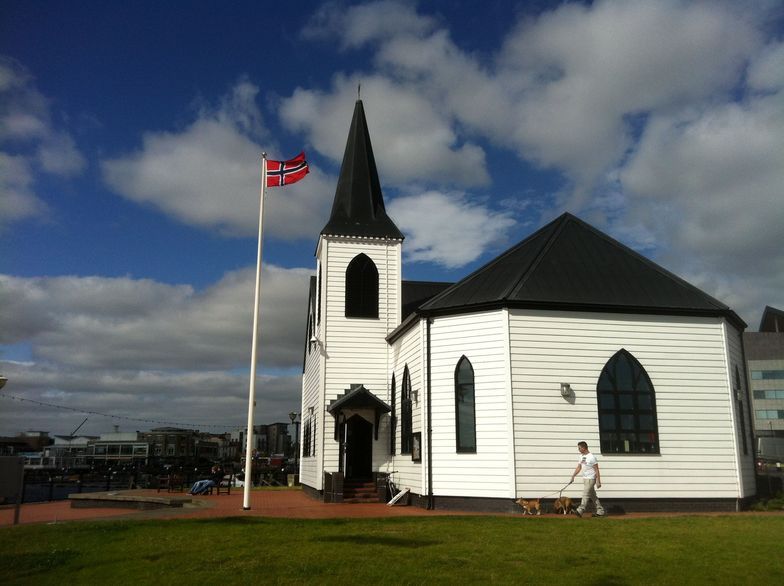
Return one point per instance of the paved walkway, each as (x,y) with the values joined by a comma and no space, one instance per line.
(292,504)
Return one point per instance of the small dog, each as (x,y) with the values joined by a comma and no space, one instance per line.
(530,506)
(563,505)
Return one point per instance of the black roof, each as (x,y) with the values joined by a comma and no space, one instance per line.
(571,265)
(772,320)
(415,293)
(358,209)
(357,397)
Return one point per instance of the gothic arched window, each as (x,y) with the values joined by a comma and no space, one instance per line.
(627,407)
(318,296)
(393,420)
(407,412)
(362,288)
(738,388)
(465,406)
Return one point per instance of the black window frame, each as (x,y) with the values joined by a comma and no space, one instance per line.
(622,410)
(362,288)
(306,439)
(406,413)
(739,403)
(318,296)
(393,419)
(462,445)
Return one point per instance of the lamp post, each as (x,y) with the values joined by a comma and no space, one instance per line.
(293,416)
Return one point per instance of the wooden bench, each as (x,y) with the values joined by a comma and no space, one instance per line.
(171,482)
(220,488)
(217,489)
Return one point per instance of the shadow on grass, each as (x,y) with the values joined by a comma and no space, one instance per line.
(29,564)
(385,540)
(609,580)
(227,521)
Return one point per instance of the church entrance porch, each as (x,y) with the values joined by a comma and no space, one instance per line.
(358,449)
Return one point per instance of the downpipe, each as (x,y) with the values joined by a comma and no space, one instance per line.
(430,499)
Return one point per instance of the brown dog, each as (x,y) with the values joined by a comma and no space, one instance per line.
(563,505)
(530,506)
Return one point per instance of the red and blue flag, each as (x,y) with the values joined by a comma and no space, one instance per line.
(280,173)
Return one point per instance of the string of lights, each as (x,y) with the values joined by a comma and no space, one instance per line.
(124,417)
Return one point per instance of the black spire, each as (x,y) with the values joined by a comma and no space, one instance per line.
(358,209)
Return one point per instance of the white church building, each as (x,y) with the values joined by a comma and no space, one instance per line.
(474,394)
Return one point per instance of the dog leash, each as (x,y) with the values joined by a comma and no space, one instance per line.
(558,491)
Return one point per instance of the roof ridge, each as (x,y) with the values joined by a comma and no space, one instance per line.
(561,221)
(427,282)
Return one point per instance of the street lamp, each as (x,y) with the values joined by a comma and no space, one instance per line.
(293,416)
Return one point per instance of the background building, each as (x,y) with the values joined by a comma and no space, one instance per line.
(118,448)
(765,362)
(765,358)
(268,439)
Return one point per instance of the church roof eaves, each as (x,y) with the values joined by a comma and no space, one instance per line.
(357,396)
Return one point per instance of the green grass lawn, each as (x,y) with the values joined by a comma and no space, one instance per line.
(678,550)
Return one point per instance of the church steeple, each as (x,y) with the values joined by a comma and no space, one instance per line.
(358,209)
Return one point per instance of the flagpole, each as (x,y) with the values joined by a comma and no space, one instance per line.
(252,389)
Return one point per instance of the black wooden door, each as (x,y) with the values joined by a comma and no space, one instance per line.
(359,448)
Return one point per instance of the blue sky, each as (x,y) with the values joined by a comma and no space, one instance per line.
(130,135)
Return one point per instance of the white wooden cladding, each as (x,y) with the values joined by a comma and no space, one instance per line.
(685,359)
(356,348)
(407,351)
(488,472)
(309,468)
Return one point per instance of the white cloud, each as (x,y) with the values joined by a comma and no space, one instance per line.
(24,111)
(582,71)
(447,228)
(766,72)
(138,400)
(562,88)
(143,348)
(359,24)
(17,198)
(412,140)
(59,155)
(123,323)
(29,142)
(717,174)
(209,174)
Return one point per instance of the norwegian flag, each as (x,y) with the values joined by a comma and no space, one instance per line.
(280,173)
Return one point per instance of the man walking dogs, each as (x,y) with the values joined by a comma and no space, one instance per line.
(592,480)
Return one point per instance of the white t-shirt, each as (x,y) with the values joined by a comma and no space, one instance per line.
(588,462)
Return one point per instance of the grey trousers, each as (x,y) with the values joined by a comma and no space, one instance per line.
(589,494)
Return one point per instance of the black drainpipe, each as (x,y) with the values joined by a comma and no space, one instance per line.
(430,503)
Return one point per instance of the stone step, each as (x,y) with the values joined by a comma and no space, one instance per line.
(359,492)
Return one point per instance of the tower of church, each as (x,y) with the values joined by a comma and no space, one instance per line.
(355,304)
